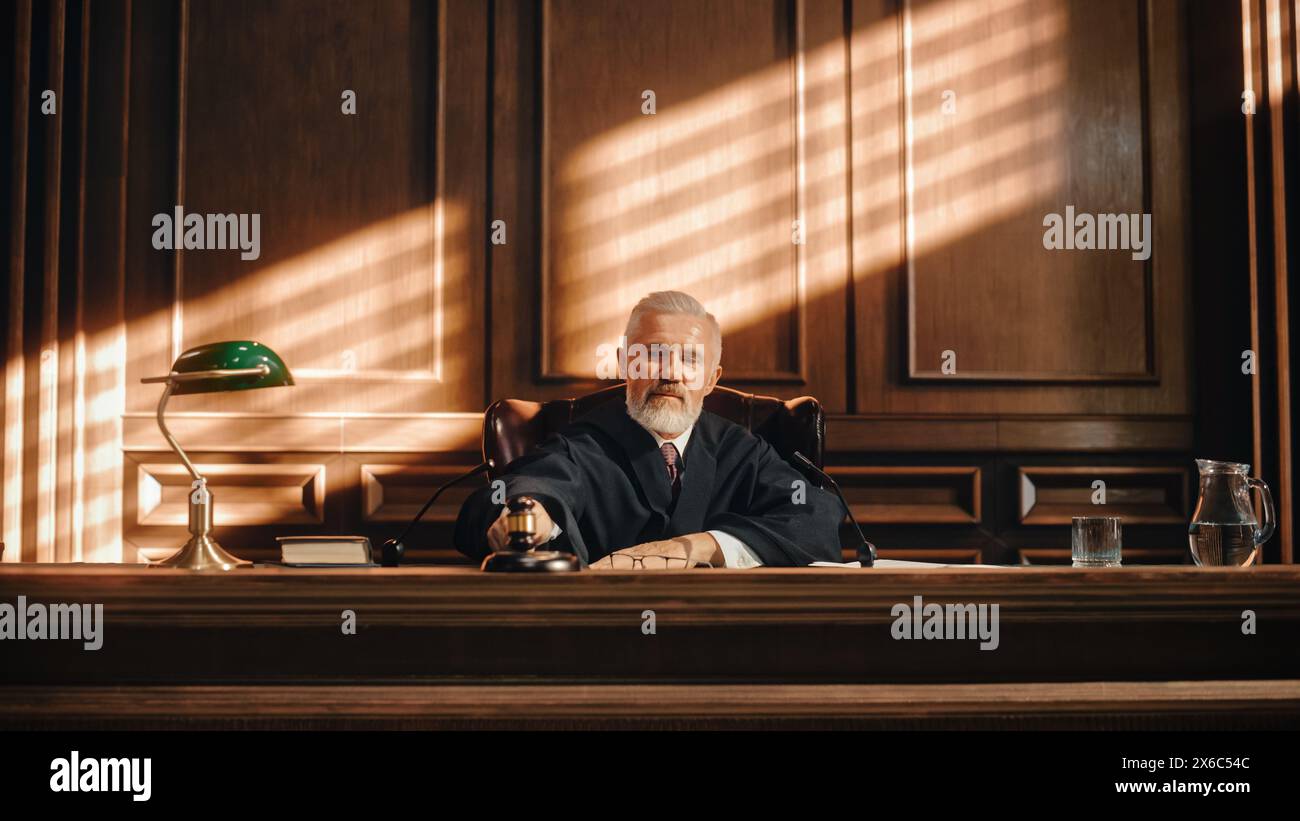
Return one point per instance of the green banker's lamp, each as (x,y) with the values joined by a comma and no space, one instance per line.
(217,367)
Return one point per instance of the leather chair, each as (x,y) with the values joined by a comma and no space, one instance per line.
(512,427)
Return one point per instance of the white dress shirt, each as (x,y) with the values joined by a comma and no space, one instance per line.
(735,553)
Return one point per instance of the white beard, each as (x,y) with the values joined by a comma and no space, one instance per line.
(666,416)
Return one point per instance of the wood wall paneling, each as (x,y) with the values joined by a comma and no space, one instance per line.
(370,278)
(919,495)
(17,94)
(1036,108)
(1271,54)
(260,433)
(258,496)
(941,555)
(396,492)
(909,433)
(99,345)
(377,282)
(1219,233)
(948,250)
(1146,495)
(263,491)
(367,278)
(703,195)
(65,65)
(291,494)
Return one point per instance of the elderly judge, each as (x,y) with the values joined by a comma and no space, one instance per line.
(656,482)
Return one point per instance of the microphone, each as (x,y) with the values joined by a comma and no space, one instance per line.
(866,550)
(394,549)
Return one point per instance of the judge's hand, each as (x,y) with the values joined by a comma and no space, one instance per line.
(670,554)
(498,534)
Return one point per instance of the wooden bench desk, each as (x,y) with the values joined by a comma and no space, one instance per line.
(1138,647)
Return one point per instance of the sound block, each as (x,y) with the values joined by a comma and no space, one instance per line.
(536,561)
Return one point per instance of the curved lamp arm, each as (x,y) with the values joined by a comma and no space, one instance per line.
(173,379)
(171,440)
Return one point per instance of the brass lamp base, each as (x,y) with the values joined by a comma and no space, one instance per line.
(202,553)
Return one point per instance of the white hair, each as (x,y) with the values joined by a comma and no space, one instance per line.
(676,302)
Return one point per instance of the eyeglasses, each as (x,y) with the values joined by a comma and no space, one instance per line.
(622,561)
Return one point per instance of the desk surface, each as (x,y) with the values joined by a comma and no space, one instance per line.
(451,646)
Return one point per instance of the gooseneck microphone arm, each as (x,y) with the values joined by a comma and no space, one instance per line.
(866,550)
(394,549)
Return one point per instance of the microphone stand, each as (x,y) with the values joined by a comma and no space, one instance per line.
(394,549)
(866,550)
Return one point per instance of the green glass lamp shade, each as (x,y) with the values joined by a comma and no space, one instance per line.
(230,356)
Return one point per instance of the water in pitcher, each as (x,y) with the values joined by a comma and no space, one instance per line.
(1223,544)
(1225,531)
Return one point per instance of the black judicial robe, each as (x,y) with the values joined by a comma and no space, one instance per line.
(603,480)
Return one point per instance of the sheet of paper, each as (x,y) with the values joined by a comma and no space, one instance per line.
(899,563)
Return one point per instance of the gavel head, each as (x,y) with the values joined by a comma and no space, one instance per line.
(521,523)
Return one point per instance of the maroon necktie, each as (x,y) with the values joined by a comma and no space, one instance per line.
(669,452)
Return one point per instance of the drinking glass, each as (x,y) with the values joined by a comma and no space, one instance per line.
(1095,541)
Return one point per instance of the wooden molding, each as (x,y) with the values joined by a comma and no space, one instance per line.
(309,432)
(1140,495)
(942,555)
(462,432)
(245,494)
(396,492)
(911,495)
(875,433)
(1078,705)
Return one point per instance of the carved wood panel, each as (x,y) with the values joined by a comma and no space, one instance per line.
(732,188)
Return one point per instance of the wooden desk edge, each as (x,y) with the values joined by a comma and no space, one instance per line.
(1262,704)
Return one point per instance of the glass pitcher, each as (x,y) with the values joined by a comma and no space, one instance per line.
(1224,530)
